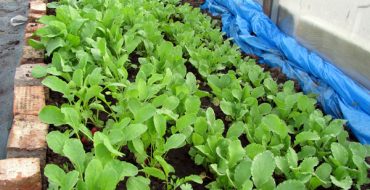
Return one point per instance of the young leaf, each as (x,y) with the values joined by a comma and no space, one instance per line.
(194,178)
(262,168)
(144,113)
(56,140)
(39,71)
(166,167)
(236,130)
(242,172)
(56,84)
(134,131)
(54,174)
(52,115)
(58,177)
(138,183)
(291,184)
(75,152)
(174,141)
(345,183)
(92,173)
(160,124)
(306,136)
(253,149)
(340,153)
(154,172)
(275,124)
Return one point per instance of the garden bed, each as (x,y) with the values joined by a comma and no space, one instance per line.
(151,96)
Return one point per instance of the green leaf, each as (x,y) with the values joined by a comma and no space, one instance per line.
(78,77)
(70,180)
(56,141)
(134,131)
(174,141)
(339,152)
(154,172)
(323,171)
(53,44)
(264,108)
(52,115)
(306,151)
(262,168)
(235,130)
(235,152)
(160,124)
(192,105)
(306,136)
(271,85)
(292,158)
(194,178)
(166,167)
(242,172)
(345,183)
(92,173)
(308,164)
(124,169)
(171,103)
(227,108)
(35,44)
(144,113)
(138,183)
(39,71)
(275,124)
(75,152)
(185,121)
(282,164)
(100,137)
(71,117)
(291,184)
(56,84)
(54,174)
(253,149)
(58,177)
(109,178)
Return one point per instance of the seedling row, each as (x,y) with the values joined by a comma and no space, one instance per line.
(143,79)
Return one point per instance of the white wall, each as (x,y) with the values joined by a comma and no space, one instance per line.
(339,30)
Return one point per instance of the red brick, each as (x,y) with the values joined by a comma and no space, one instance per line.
(31,55)
(28,100)
(33,26)
(38,7)
(20,174)
(33,17)
(23,76)
(27,138)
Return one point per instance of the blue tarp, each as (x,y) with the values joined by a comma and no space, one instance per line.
(255,33)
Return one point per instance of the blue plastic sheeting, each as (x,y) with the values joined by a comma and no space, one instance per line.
(253,31)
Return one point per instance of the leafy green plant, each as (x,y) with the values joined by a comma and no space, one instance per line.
(131,74)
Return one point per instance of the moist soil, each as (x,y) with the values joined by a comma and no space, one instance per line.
(178,158)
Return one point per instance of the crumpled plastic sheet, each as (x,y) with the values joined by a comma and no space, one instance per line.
(254,32)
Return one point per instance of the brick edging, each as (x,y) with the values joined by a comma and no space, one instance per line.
(26,148)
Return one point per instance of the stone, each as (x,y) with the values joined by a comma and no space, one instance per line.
(27,138)
(20,174)
(33,17)
(38,7)
(31,27)
(31,55)
(23,76)
(28,100)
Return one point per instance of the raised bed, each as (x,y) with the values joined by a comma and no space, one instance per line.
(149,95)
(26,147)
